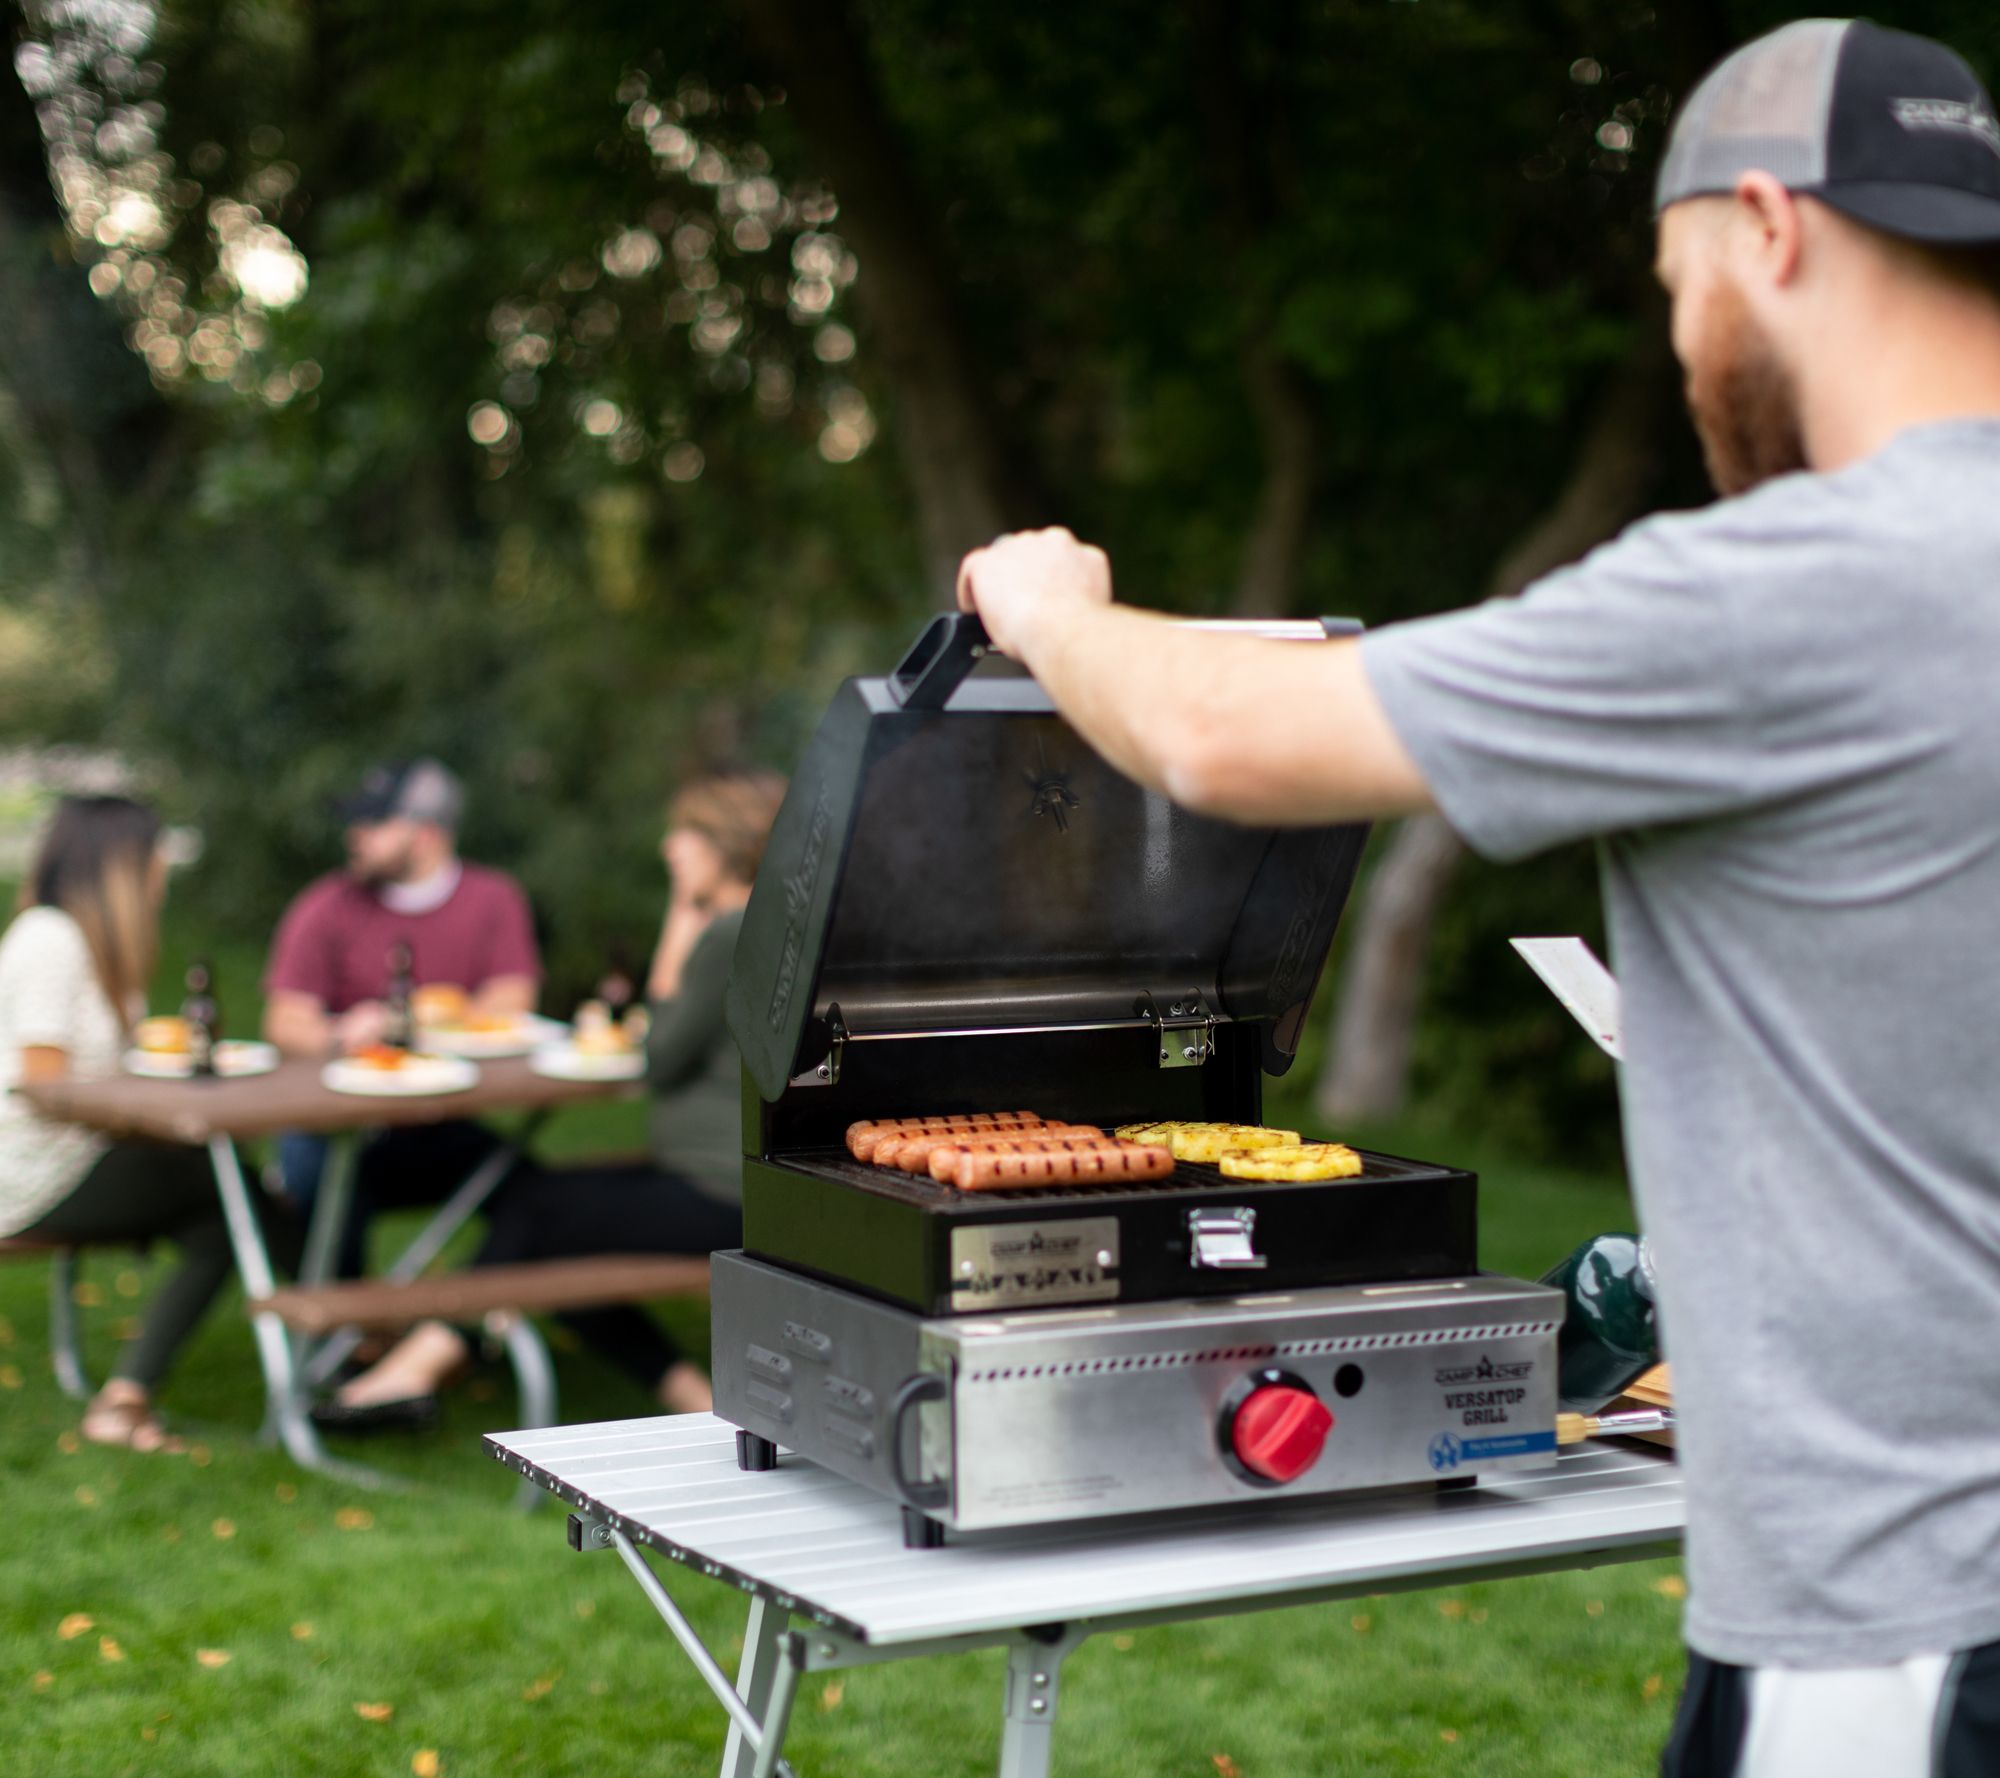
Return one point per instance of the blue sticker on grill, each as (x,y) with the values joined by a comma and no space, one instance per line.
(1449,1451)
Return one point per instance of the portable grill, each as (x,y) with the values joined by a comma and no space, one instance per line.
(964,908)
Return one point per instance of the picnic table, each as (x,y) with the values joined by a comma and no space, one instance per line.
(813,1549)
(219,1113)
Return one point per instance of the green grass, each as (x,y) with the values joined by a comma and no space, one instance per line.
(505,1653)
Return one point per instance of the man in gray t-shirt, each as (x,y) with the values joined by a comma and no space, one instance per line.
(1777,716)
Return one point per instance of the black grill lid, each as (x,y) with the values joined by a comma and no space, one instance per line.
(952,856)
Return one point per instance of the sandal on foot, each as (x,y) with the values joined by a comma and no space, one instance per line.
(127,1424)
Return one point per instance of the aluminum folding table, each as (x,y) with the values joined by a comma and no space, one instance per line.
(831,1585)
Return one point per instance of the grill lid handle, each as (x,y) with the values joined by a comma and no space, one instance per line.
(939,661)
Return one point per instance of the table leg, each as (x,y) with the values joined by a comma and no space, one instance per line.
(65,1337)
(284,1394)
(453,1214)
(331,1203)
(754,1678)
(1034,1680)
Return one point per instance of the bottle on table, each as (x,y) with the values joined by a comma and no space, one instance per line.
(1610,1335)
(203,1017)
(401,1032)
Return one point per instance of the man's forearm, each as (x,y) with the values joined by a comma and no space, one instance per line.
(1236,726)
(298,1026)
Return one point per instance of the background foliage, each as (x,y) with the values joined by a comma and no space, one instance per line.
(584,452)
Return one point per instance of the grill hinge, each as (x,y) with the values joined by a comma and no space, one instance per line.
(826,1073)
(1185,1031)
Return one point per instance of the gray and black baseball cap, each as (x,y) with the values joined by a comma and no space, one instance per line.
(412,790)
(1891,129)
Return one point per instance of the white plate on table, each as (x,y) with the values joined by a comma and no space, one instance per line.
(564,1061)
(419,1075)
(234,1058)
(527,1032)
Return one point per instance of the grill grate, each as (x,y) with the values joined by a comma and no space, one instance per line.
(1188,1179)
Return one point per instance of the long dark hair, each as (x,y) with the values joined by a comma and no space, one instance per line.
(96,864)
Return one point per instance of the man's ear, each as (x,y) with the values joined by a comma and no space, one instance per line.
(1767,225)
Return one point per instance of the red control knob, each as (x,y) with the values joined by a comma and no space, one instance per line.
(1279,1432)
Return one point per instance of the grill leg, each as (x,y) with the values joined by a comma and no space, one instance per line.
(65,1338)
(921,1532)
(755,1454)
(1457,1484)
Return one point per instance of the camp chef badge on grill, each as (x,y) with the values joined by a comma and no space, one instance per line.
(1002,1265)
(1485,1371)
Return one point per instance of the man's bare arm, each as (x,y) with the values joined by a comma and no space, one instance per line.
(297,1023)
(1236,726)
(503,994)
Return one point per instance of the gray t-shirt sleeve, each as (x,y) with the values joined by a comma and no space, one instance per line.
(1655,683)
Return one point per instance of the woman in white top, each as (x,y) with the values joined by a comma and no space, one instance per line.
(74,964)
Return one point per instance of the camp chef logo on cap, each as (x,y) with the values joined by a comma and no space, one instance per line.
(1951,116)
(1485,1371)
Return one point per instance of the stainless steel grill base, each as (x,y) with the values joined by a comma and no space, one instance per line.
(1065,1414)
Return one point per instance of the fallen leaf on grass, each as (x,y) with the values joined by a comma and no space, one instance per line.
(425,1763)
(149,1733)
(1447,1734)
(68,1443)
(74,1625)
(1653,1687)
(1123,1644)
(126,1284)
(200,1456)
(172,1533)
(302,1632)
(1225,1766)
(374,1712)
(212,1657)
(1451,1608)
(224,1529)
(541,1687)
(1361,1623)
(126,1327)
(43,1680)
(10,1376)
(354,1518)
(1593,1607)
(286,1492)
(831,1694)
(1477,1614)
(586,1607)
(1671,1586)
(599,1688)
(6,1331)
(86,1497)
(86,1295)
(108,1649)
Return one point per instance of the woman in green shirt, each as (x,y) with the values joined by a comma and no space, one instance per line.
(687,1197)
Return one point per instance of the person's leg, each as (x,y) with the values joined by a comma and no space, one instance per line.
(632,1209)
(422,1164)
(301,1161)
(570,1215)
(141,1192)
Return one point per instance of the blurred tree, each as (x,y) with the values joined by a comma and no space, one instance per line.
(514,381)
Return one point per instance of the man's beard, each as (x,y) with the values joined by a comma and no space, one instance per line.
(1741,399)
(383,874)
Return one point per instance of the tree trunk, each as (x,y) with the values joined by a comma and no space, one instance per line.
(946,425)
(1367,1070)
(1256,177)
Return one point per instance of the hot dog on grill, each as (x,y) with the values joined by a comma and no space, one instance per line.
(862,1136)
(993,1169)
(918,1154)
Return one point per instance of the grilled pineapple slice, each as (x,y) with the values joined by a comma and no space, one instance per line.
(1302,1161)
(1206,1142)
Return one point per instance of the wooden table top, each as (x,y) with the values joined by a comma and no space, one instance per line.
(291,1097)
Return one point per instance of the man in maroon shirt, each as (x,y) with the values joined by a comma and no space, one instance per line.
(328,979)
(326,986)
